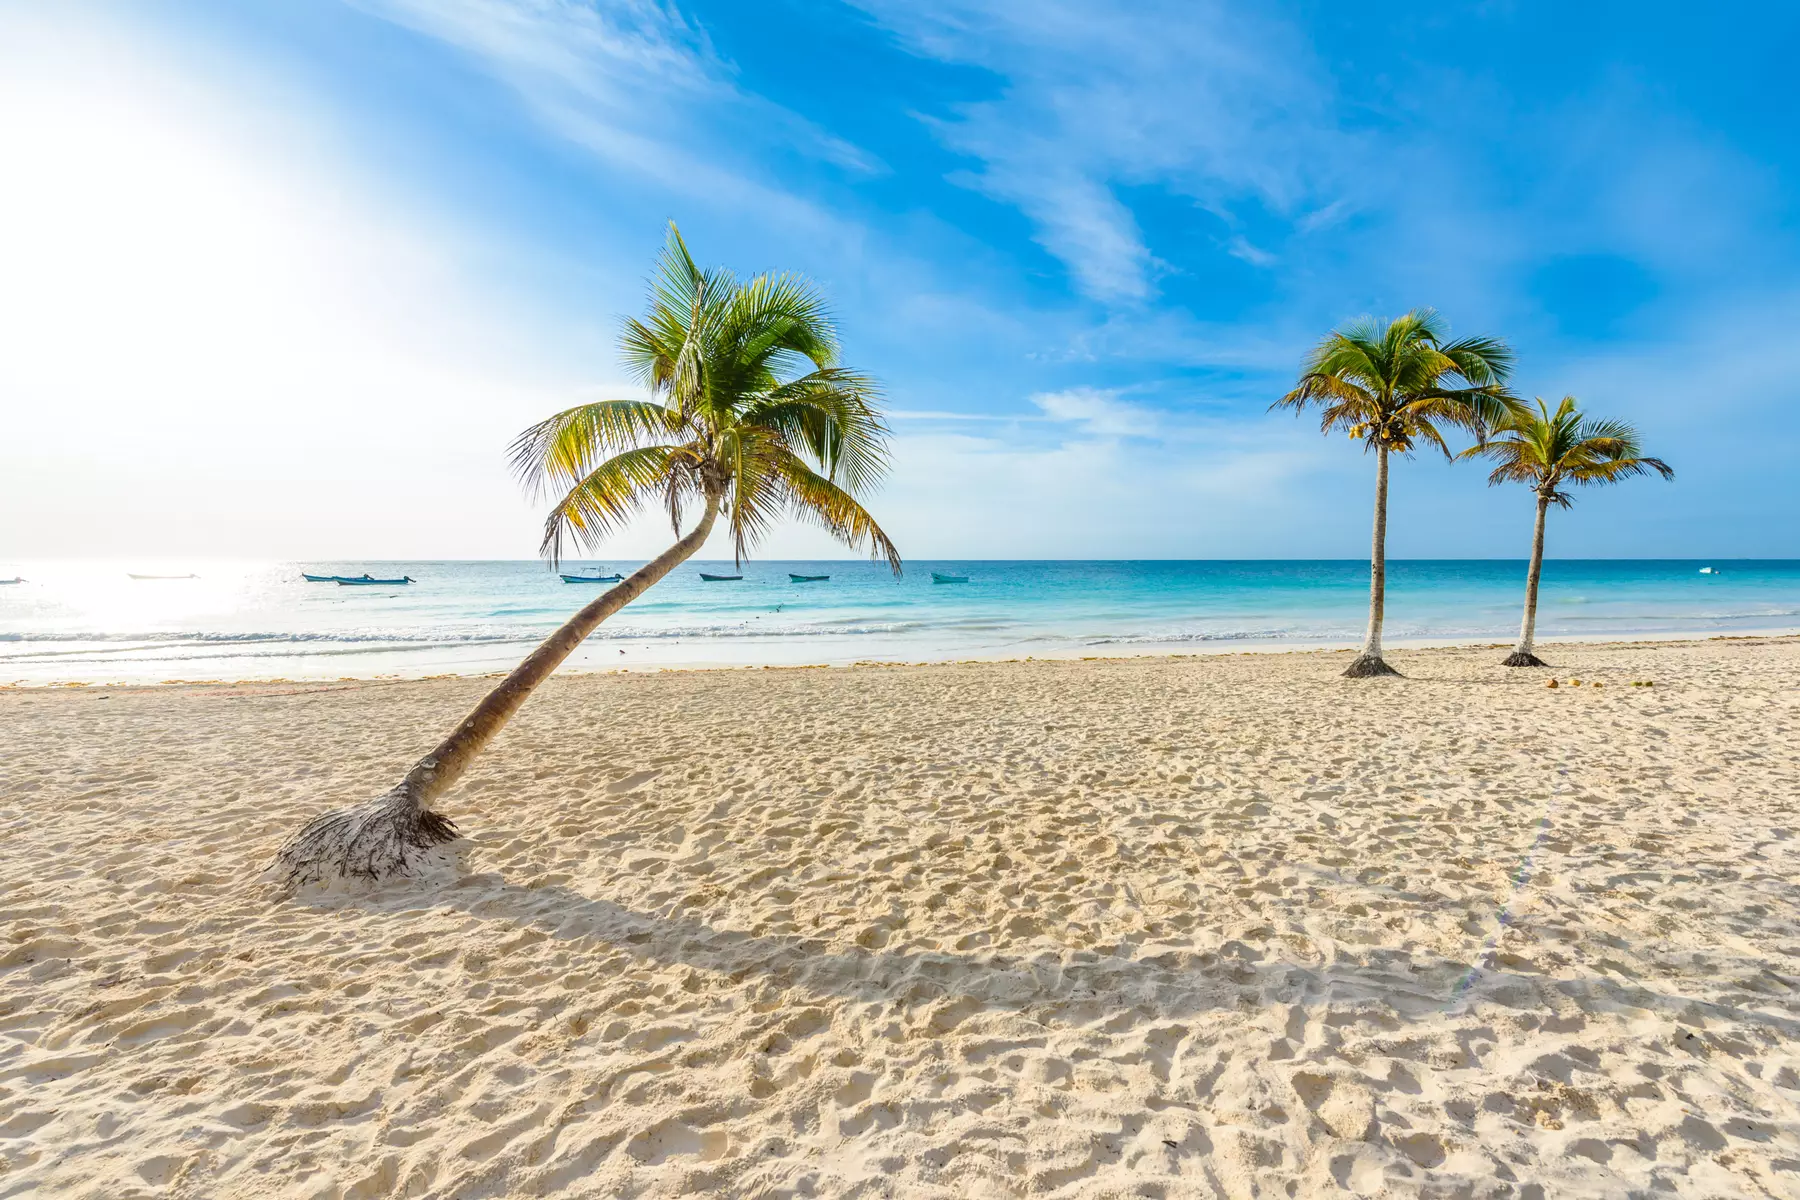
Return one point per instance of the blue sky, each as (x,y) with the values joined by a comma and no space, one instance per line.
(295,270)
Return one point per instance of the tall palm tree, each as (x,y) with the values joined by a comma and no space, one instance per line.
(746,388)
(1390,386)
(1552,451)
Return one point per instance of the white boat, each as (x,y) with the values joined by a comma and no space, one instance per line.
(1708,571)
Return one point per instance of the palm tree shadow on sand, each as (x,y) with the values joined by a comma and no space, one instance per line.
(1380,985)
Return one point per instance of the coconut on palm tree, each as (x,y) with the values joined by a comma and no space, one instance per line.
(1391,386)
(1552,452)
(750,417)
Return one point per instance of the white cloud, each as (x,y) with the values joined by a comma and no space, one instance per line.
(1080,221)
(1172,337)
(1334,213)
(1098,411)
(1240,247)
(628,80)
(1208,491)
(907,414)
(1196,98)
(226,335)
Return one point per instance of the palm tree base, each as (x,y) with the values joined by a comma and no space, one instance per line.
(381,839)
(1369,666)
(1524,658)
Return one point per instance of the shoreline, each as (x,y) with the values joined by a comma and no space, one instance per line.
(1214,649)
(256,621)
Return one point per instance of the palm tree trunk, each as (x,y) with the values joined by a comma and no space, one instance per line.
(391,834)
(1369,662)
(1522,655)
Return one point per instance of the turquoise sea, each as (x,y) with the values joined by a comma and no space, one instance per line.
(91,621)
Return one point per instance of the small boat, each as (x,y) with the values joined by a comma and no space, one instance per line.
(14,579)
(808,578)
(593,579)
(365,581)
(719,578)
(1708,571)
(318,578)
(937,577)
(162,576)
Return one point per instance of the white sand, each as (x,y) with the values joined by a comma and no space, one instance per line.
(1195,927)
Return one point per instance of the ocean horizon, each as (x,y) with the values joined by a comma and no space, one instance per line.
(92,622)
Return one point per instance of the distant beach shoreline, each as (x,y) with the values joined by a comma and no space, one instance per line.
(93,623)
(587,662)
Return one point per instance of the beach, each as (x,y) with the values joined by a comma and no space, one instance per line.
(92,621)
(1225,925)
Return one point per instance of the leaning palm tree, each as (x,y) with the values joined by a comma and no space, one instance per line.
(745,388)
(1390,385)
(1551,452)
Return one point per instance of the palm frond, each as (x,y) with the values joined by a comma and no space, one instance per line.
(1481,360)
(667,349)
(650,347)
(771,329)
(780,313)
(1356,415)
(1348,358)
(746,381)
(830,414)
(1547,450)
(813,496)
(1612,470)
(1425,325)
(1425,431)
(1394,383)
(1327,388)
(749,453)
(1475,410)
(680,487)
(560,450)
(607,497)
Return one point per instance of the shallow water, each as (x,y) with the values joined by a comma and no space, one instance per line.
(91,621)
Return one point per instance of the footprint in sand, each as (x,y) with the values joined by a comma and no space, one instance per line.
(631,782)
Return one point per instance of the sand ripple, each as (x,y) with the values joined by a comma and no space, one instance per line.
(1221,926)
